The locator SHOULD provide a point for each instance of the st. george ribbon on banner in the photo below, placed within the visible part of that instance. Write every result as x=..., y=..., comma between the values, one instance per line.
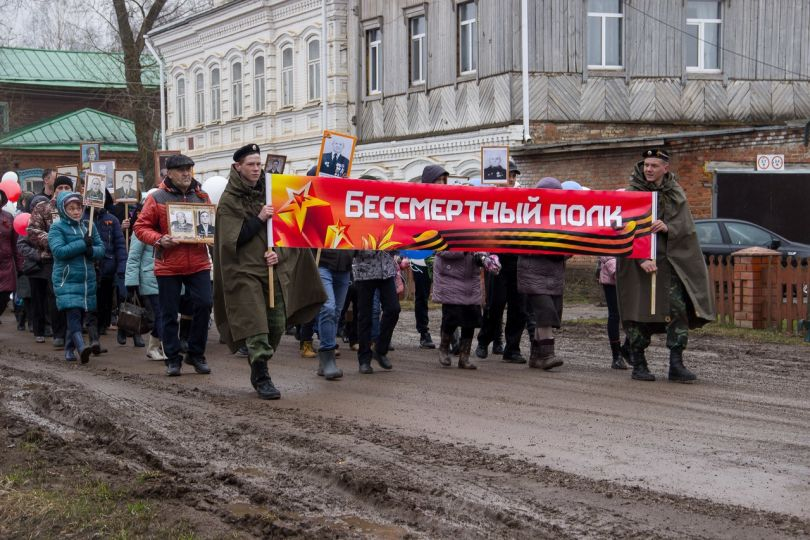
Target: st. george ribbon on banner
x=337, y=213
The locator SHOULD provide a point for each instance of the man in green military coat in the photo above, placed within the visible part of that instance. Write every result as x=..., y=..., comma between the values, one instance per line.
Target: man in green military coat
x=684, y=298
x=241, y=283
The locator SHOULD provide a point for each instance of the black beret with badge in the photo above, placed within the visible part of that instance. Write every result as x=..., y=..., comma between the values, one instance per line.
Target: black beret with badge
x=179, y=161
x=656, y=153
x=246, y=151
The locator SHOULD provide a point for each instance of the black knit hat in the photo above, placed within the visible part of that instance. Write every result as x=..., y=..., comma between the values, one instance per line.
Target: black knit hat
x=63, y=180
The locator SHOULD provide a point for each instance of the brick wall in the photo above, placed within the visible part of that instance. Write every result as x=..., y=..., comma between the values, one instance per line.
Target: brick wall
x=611, y=168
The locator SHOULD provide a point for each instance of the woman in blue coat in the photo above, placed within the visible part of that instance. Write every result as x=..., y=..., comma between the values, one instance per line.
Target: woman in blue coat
x=74, y=275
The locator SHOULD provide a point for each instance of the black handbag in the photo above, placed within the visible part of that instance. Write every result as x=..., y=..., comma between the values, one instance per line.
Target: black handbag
x=134, y=318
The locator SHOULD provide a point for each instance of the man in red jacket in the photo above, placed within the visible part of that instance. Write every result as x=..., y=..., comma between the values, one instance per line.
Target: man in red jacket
x=178, y=264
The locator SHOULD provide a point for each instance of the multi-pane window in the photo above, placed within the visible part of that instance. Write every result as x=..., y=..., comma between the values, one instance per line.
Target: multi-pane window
x=236, y=88
x=703, y=39
x=605, y=18
x=199, y=98
x=467, y=38
x=313, y=70
x=418, y=61
x=286, y=76
x=373, y=61
x=181, y=102
x=215, y=110
x=258, y=84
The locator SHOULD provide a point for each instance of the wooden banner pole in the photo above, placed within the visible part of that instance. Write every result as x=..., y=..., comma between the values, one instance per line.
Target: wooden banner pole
x=126, y=216
x=271, y=288
x=90, y=223
x=653, y=276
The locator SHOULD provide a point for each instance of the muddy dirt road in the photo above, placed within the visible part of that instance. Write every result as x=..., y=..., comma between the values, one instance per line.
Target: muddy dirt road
x=426, y=452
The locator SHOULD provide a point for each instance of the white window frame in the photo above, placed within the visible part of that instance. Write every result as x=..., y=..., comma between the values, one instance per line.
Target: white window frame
x=701, y=43
x=421, y=40
x=313, y=71
x=287, y=80
x=473, y=40
x=259, y=86
x=180, y=81
x=216, y=105
x=236, y=90
x=604, y=16
x=199, y=97
x=374, y=48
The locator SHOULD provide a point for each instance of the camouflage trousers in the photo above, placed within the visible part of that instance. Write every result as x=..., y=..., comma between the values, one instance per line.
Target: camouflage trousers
x=264, y=346
x=638, y=333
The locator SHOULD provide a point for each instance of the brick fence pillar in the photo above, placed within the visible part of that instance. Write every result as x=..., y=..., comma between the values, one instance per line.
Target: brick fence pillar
x=751, y=267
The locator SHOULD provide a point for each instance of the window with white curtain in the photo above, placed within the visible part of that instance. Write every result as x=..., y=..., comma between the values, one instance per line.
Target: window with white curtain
x=181, y=101
x=215, y=105
x=373, y=61
x=314, y=70
x=286, y=76
x=703, y=22
x=199, y=98
x=418, y=54
x=236, y=88
x=467, y=38
x=258, y=84
x=605, y=19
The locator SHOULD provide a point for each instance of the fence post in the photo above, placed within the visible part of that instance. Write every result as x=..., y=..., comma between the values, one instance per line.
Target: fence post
x=751, y=267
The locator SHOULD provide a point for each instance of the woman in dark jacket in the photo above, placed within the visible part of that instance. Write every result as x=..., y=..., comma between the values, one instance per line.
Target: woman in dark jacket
x=10, y=259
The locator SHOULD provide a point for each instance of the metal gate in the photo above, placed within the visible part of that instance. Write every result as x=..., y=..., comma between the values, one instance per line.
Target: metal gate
x=777, y=201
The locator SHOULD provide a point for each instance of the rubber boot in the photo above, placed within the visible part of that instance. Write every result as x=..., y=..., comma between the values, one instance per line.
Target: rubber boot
x=677, y=371
x=260, y=378
x=307, y=350
x=83, y=350
x=121, y=337
x=547, y=359
x=464, y=354
x=184, y=332
x=137, y=340
x=616, y=351
x=444, y=350
x=95, y=342
x=154, y=351
x=640, y=370
x=70, y=351
x=328, y=368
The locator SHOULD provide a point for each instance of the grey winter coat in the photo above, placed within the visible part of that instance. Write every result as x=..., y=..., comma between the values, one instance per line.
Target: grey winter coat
x=541, y=274
x=368, y=265
x=456, y=279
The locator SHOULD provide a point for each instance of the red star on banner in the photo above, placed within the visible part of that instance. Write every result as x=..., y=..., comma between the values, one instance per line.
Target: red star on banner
x=296, y=207
x=336, y=235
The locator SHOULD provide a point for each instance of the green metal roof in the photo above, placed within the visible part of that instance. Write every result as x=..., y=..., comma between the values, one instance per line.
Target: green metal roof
x=68, y=131
x=42, y=67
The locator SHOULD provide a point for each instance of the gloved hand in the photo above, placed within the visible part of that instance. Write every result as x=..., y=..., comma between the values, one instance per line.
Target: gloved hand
x=88, y=250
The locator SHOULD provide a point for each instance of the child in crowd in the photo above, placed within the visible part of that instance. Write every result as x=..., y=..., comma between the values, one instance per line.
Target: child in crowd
x=74, y=277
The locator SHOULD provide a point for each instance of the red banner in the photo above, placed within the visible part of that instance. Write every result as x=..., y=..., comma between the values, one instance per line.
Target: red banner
x=338, y=213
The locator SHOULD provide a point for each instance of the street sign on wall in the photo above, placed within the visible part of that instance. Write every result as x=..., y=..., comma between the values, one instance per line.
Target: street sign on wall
x=771, y=162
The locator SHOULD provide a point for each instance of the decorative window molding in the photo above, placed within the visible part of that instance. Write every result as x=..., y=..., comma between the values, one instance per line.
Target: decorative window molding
x=180, y=93
x=417, y=50
x=216, y=106
x=199, y=98
x=314, y=69
x=373, y=61
x=236, y=89
x=287, y=87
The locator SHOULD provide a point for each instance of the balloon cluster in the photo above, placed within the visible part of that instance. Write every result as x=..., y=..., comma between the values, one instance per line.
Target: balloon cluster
x=11, y=186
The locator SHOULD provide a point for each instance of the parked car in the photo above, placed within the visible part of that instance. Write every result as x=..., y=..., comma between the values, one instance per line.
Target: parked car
x=725, y=236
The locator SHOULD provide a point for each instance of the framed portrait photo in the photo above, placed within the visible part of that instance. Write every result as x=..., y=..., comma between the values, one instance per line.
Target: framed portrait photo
x=68, y=170
x=161, y=156
x=89, y=151
x=191, y=222
x=125, y=186
x=107, y=168
x=494, y=165
x=337, y=153
x=94, y=189
x=274, y=164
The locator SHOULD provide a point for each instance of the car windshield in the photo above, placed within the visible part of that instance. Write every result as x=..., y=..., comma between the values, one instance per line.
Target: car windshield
x=742, y=234
x=709, y=233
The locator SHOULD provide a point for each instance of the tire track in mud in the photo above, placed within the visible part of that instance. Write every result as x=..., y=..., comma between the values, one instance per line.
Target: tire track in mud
x=269, y=471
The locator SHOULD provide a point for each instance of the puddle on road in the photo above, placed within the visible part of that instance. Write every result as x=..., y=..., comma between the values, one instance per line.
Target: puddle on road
x=376, y=530
x=247, y=509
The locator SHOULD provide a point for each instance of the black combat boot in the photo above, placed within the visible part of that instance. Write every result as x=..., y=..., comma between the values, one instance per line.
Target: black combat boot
x=328, y=368
x=511, y=357
x=426, y=341
x=677, y=371
x=497, y=345
x=444, y=350
x=198, y=363
x=640, y=370
x=616, y=351
x=260, y=379
x=464, y=354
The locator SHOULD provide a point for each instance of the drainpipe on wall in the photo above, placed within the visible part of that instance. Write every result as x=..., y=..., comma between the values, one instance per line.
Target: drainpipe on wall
x=524, y=47
x=324, y=66
x=162, y=94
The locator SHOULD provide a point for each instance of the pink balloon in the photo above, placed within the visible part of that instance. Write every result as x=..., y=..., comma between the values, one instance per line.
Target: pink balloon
x=12, y=189
x=21, y=223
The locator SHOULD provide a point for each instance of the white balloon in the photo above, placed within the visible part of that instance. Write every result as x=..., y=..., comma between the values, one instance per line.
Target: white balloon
x=11, y=208
x=214, y=186
x=11, y=175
